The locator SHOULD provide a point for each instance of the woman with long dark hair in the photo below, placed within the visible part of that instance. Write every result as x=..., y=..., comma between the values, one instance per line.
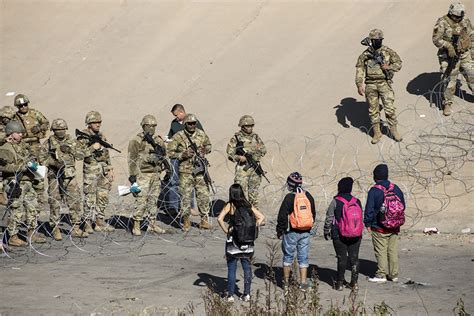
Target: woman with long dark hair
x=241, y=230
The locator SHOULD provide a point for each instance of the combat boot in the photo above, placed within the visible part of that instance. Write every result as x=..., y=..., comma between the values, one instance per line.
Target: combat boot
x=36, y=237
x=15, y=241
x=88, y=227
x=154, y=228
x=186, y=223
x=377, y=133
x=76, y=231
x=447, y=109
x=204, y=224
x=102, y=226
x=136, y=228
x=57, y=233
x=395, y=134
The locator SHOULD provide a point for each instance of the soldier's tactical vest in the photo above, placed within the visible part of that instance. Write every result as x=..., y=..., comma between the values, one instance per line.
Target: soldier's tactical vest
x=461, y=32
x=373, y=71
x=67, y=158
x=250, y=143
x=28, y=120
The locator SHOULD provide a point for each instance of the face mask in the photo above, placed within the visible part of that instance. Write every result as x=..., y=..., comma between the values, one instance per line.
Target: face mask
x=60, y=133
x=376, y=43
x=149, y=129
x=191, y=127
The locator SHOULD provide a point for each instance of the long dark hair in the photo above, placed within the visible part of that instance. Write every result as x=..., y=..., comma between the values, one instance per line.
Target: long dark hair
x=237, y=196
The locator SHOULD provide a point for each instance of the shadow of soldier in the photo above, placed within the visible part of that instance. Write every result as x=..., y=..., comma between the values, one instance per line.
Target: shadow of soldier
x=429, y=86
x=356, y=112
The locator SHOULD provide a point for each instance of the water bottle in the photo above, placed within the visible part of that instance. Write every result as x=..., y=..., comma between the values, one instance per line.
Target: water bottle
x=383, y=208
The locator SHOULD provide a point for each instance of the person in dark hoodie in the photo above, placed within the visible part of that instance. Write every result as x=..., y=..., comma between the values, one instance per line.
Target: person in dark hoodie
x=344, y=246
x=294, y=242
x=385, y=240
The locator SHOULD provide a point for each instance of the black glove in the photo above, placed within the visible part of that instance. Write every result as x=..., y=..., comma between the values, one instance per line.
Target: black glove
x=65, y=148
x=327, y=235
x=97, y=153
x=279, y=234
x=132, y=179
x=36, y=129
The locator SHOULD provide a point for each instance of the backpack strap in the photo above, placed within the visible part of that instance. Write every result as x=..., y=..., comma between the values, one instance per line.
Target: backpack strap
x=391, y=186
x=380, y=187
x=299, y=190
x=343, y=200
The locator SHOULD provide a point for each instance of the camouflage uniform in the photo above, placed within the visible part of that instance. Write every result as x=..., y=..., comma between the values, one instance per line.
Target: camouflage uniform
x=244, y=174
x=60, y=155
x=378, y=84
x=14, y=157
x=97, y=177
x=443, y=32
x=187, y=181
x=145, y=169
x=6, y=115
x=36, y=126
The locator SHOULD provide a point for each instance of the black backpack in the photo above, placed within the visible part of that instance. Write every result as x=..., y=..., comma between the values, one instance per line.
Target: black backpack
x=244, y=224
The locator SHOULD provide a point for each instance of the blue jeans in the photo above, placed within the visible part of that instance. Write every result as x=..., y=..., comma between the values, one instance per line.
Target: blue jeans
x=232, y=271
x=170, y=189
x=295, y=243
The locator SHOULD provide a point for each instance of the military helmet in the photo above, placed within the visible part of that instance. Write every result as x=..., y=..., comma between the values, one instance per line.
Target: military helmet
x=7, y=111
x=58, y=124
x=21, y=99
x=14, y=126
x=148, y=120
x=376, y=34
x=246, y=120
x=93, y=117
x=457, y=9
x=190, y=118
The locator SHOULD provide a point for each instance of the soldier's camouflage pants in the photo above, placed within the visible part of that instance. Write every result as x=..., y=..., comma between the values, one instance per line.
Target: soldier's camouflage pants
x=188, y=183
x=383, y=91
x=96, y=194
x=64, y=189
x=250, y=182
x=23, y=206
x=146, y=201
x=38, y=184
x=465, y=67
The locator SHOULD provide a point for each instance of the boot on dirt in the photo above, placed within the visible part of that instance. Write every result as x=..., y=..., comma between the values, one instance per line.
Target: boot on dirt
x=395, y=134
x=204, y=224
x=36, y=237
x=57, y=233
x=136, y=228
x=447, y=110
x=377, y=133
x=339, y=286
x=15, y=241
x=186, y=223
x=102, y=226
x=77, y=232
x=155, y=228
x=88, y=227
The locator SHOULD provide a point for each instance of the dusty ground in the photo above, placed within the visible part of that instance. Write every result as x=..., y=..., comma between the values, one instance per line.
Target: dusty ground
x=288, y=63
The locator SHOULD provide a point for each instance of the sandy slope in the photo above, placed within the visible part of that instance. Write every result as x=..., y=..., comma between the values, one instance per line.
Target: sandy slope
x=289, y=63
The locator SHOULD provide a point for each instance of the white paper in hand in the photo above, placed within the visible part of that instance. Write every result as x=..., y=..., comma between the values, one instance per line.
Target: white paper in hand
x=123, y=190
x=40, y=173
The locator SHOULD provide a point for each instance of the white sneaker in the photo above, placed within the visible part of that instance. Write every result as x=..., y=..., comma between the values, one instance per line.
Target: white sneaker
x=230, y=299
x=245, y=298
x=376, y=279
x=393, y=279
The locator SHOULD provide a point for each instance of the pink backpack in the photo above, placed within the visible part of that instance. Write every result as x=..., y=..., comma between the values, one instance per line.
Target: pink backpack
x=392, y=209
x=351, y=223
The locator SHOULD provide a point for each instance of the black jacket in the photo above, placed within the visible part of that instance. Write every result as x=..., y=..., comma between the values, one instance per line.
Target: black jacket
x=286, y=209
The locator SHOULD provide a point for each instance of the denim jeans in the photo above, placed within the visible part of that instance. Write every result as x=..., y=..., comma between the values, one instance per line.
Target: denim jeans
x=232, y=271
x=296, y=243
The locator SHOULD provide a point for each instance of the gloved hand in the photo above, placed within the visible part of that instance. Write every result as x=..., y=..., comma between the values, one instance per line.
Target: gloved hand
x=36, y=129
x=327, y=235
x=188, y=153
x=97, y=153
x=32, y=166
x=65, y=148
x=451, y=50
x=132, y=179
x=135, y=189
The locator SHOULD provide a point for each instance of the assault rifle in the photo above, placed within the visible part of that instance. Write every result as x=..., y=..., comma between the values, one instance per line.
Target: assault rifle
x=378, y=57
x=239, y=150
x=95, y=139
x=159, y=152
x=452, y=61
x=200, y=165
x=12, y=191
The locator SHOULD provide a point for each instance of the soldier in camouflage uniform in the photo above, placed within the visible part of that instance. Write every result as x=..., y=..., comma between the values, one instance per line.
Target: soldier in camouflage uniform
x=36, y=126
x=252, y=144
x=180, y=148
x=98, y=174
x=17, y=166
x=145, y=168
x=453, y=34
x=59, y=154
x=6, y=115
x=377, y=79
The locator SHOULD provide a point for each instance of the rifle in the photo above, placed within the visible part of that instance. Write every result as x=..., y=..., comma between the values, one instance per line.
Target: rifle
x=251, y=163
x=95, y=139
x=160, y=154
x=452, y=61
x=378, y=58
x=12, y=191
x=200, y=164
